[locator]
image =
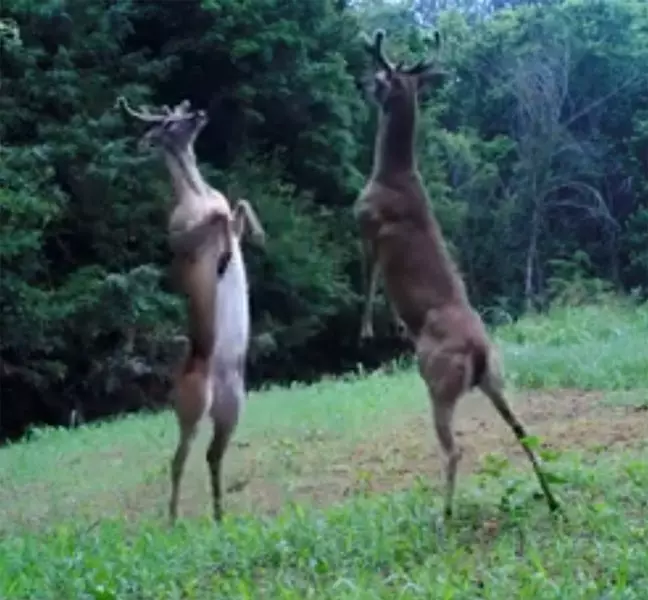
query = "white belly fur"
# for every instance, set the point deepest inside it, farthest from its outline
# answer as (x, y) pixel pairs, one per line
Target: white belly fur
(232, 330)
(232, 311)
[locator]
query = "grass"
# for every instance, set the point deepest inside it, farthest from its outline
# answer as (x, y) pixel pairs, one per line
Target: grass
(336, 489)
(592, 347)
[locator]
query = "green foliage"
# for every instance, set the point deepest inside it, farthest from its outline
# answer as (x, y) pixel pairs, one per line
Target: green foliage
(70, 529)
(591, 347)
(10, 34)
(533, 153)
(301, 270)
(635, 241)
(343, 554)
(572, 284)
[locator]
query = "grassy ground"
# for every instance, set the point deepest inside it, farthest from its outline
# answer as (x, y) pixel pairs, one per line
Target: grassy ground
(334, 489)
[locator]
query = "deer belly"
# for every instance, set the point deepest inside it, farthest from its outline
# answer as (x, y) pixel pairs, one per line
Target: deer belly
(232, 311)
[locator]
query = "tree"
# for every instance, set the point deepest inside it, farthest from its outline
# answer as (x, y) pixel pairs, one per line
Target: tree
(536, 144)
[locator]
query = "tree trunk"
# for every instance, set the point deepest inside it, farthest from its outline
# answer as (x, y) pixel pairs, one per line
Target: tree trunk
(532, 252)
(615, 271)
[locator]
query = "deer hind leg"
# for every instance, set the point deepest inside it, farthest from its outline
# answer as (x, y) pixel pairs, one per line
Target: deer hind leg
(492, 384)
(445, 376)
(230, 396)
(187, 436)
(191, 401)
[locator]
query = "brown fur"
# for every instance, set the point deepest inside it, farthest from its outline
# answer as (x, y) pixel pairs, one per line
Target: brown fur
(228, 387)
(402, 240)
(200, 254)
(199, 223)
(194, 274)
(200, 231)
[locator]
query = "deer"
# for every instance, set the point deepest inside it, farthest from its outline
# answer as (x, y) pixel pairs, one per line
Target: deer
(401, 240)
(204, 235)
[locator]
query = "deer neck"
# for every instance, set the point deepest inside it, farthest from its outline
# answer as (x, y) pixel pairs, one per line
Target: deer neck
(185, 176)
(394, 149)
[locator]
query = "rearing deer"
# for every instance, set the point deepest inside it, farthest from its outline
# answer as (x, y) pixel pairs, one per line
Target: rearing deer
(204, 236)
(402, 239)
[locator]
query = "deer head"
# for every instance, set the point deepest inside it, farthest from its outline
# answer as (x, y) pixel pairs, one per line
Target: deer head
(173, 130)
(393, 83)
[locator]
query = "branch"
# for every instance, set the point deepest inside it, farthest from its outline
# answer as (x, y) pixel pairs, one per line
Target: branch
(587, 189)
(601, 100)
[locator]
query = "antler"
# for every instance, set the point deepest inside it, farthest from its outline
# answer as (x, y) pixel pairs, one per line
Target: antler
(424, 65)
(374, 48)
(181, 111)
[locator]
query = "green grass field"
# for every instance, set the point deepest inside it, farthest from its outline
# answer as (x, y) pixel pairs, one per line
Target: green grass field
(334, 489)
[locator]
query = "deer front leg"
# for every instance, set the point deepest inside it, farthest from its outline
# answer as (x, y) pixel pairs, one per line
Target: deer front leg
(245, 217)
(186, 243)
(370, 271)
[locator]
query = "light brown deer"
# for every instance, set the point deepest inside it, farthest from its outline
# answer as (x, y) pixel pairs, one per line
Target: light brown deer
(204, 236)
(402, 240)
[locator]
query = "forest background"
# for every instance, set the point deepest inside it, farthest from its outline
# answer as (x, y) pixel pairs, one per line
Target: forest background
(534, 155)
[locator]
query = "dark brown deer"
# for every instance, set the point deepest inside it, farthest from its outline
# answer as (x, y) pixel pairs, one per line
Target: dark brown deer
(204, 235)
(402, 240)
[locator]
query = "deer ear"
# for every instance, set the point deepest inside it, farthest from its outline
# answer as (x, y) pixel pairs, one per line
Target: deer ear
(381, 86)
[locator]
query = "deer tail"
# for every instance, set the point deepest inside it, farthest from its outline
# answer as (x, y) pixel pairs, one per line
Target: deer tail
(481, 359)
